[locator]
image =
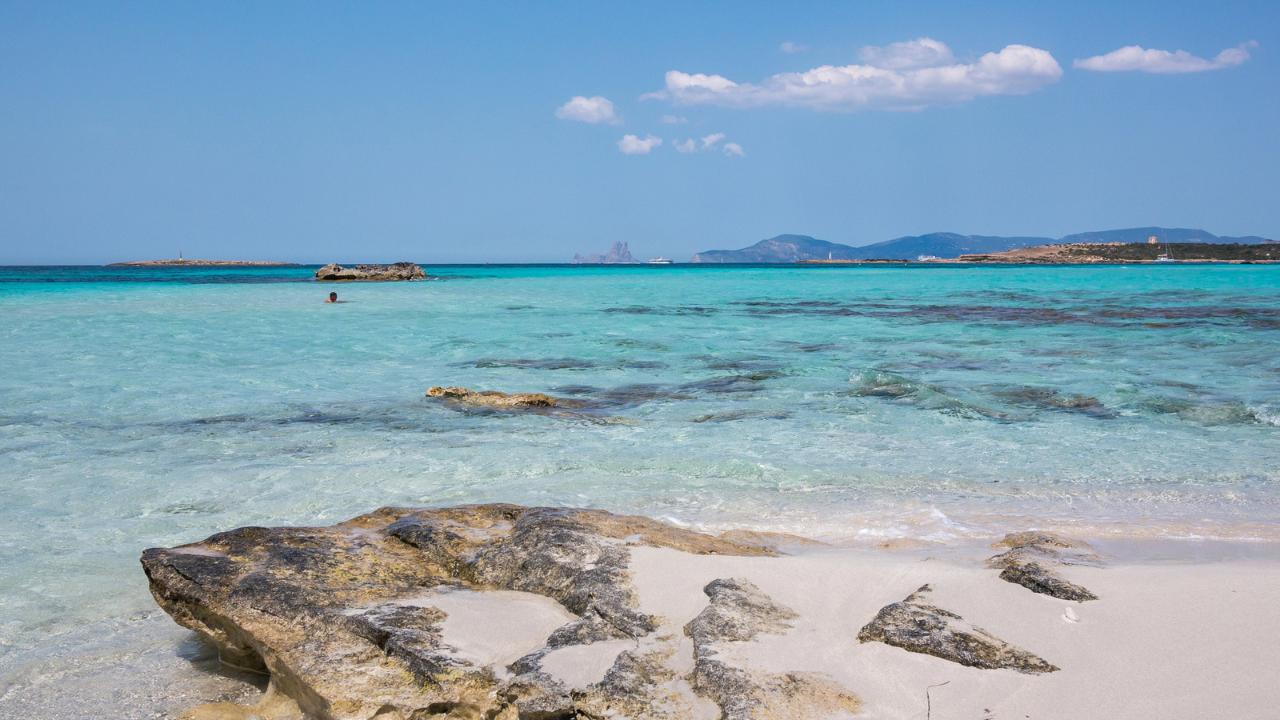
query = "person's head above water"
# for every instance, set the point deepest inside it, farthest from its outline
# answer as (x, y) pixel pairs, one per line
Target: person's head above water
(333, 297)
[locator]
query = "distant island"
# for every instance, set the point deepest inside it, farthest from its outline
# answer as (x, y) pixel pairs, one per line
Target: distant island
(618, 254)
(190, 262)
(945, 245)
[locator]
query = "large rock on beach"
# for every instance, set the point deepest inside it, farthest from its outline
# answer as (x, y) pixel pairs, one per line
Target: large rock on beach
(351, 621)
(1030, 559)
(394, 271)
(916, 625)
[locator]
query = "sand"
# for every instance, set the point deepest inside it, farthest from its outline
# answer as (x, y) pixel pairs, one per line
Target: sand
(1166, 638)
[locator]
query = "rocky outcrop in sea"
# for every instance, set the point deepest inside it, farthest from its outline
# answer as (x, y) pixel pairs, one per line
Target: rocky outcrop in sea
(394, 271)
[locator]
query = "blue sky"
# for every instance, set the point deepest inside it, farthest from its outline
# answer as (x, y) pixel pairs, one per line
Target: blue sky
(385, 131)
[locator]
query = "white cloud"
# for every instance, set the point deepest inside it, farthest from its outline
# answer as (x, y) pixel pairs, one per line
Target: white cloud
(633, 145)
(903, 76)
(1135, 58)
(674, 120)
(791, 48)
(909, 55)
(592, 110)
(709, 143)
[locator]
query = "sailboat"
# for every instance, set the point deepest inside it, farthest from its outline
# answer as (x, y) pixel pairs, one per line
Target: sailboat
(1165, 256)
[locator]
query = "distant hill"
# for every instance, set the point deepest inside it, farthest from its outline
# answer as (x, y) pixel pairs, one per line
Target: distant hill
(945, 244)
(781, 249)
(794, 248)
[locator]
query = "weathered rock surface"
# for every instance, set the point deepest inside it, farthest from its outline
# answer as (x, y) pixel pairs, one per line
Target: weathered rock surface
(494, 399)
(394, 271)
(1031, 557)
(918, 626)
(342, 617)
(739, 612)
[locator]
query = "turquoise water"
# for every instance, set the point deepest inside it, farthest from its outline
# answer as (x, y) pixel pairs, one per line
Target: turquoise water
(148, 407)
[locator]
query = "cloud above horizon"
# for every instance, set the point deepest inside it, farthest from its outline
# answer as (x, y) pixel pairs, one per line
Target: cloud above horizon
(635, 145)
(709, 143)
(908, 75)
(594, 110)
(792, 48)
(1135, 58)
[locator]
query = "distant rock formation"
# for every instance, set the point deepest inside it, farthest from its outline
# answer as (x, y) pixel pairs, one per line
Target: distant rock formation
(394, 271)
(618, 253)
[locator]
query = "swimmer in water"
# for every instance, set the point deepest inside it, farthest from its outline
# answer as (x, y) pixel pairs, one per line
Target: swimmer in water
(333, 298)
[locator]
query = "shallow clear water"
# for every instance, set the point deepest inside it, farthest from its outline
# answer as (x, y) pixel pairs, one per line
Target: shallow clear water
(143, 407)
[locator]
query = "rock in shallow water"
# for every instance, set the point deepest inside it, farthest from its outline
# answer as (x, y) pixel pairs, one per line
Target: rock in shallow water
(394, 271)
(917, 626)
(494, 399)
(342, 617)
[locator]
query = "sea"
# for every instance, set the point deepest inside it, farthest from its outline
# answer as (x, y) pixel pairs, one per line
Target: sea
(860, 405)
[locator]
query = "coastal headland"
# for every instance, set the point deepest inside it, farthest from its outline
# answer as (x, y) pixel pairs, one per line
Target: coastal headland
(505, 611)
(1093, 253)
(1097, 253)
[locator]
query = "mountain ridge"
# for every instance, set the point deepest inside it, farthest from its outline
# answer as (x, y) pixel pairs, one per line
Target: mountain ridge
(789, 248)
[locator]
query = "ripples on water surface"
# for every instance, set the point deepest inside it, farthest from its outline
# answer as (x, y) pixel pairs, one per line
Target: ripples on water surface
(154, 406)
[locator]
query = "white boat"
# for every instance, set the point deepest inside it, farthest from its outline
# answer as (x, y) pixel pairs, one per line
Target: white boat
(661, 261)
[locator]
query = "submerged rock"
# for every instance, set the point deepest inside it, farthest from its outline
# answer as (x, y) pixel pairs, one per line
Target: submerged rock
(915, 625)
(343, 618)
(494, 399)
(394, 271)
(739, 611)
(1031, 557)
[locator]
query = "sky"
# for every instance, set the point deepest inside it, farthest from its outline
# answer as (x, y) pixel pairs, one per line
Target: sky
(527, 132)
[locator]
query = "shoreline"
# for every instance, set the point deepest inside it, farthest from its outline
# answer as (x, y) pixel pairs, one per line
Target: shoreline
(528, 603)
(834, 589)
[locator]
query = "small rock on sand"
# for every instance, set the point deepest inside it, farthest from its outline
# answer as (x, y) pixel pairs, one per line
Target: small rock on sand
(915, 625)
